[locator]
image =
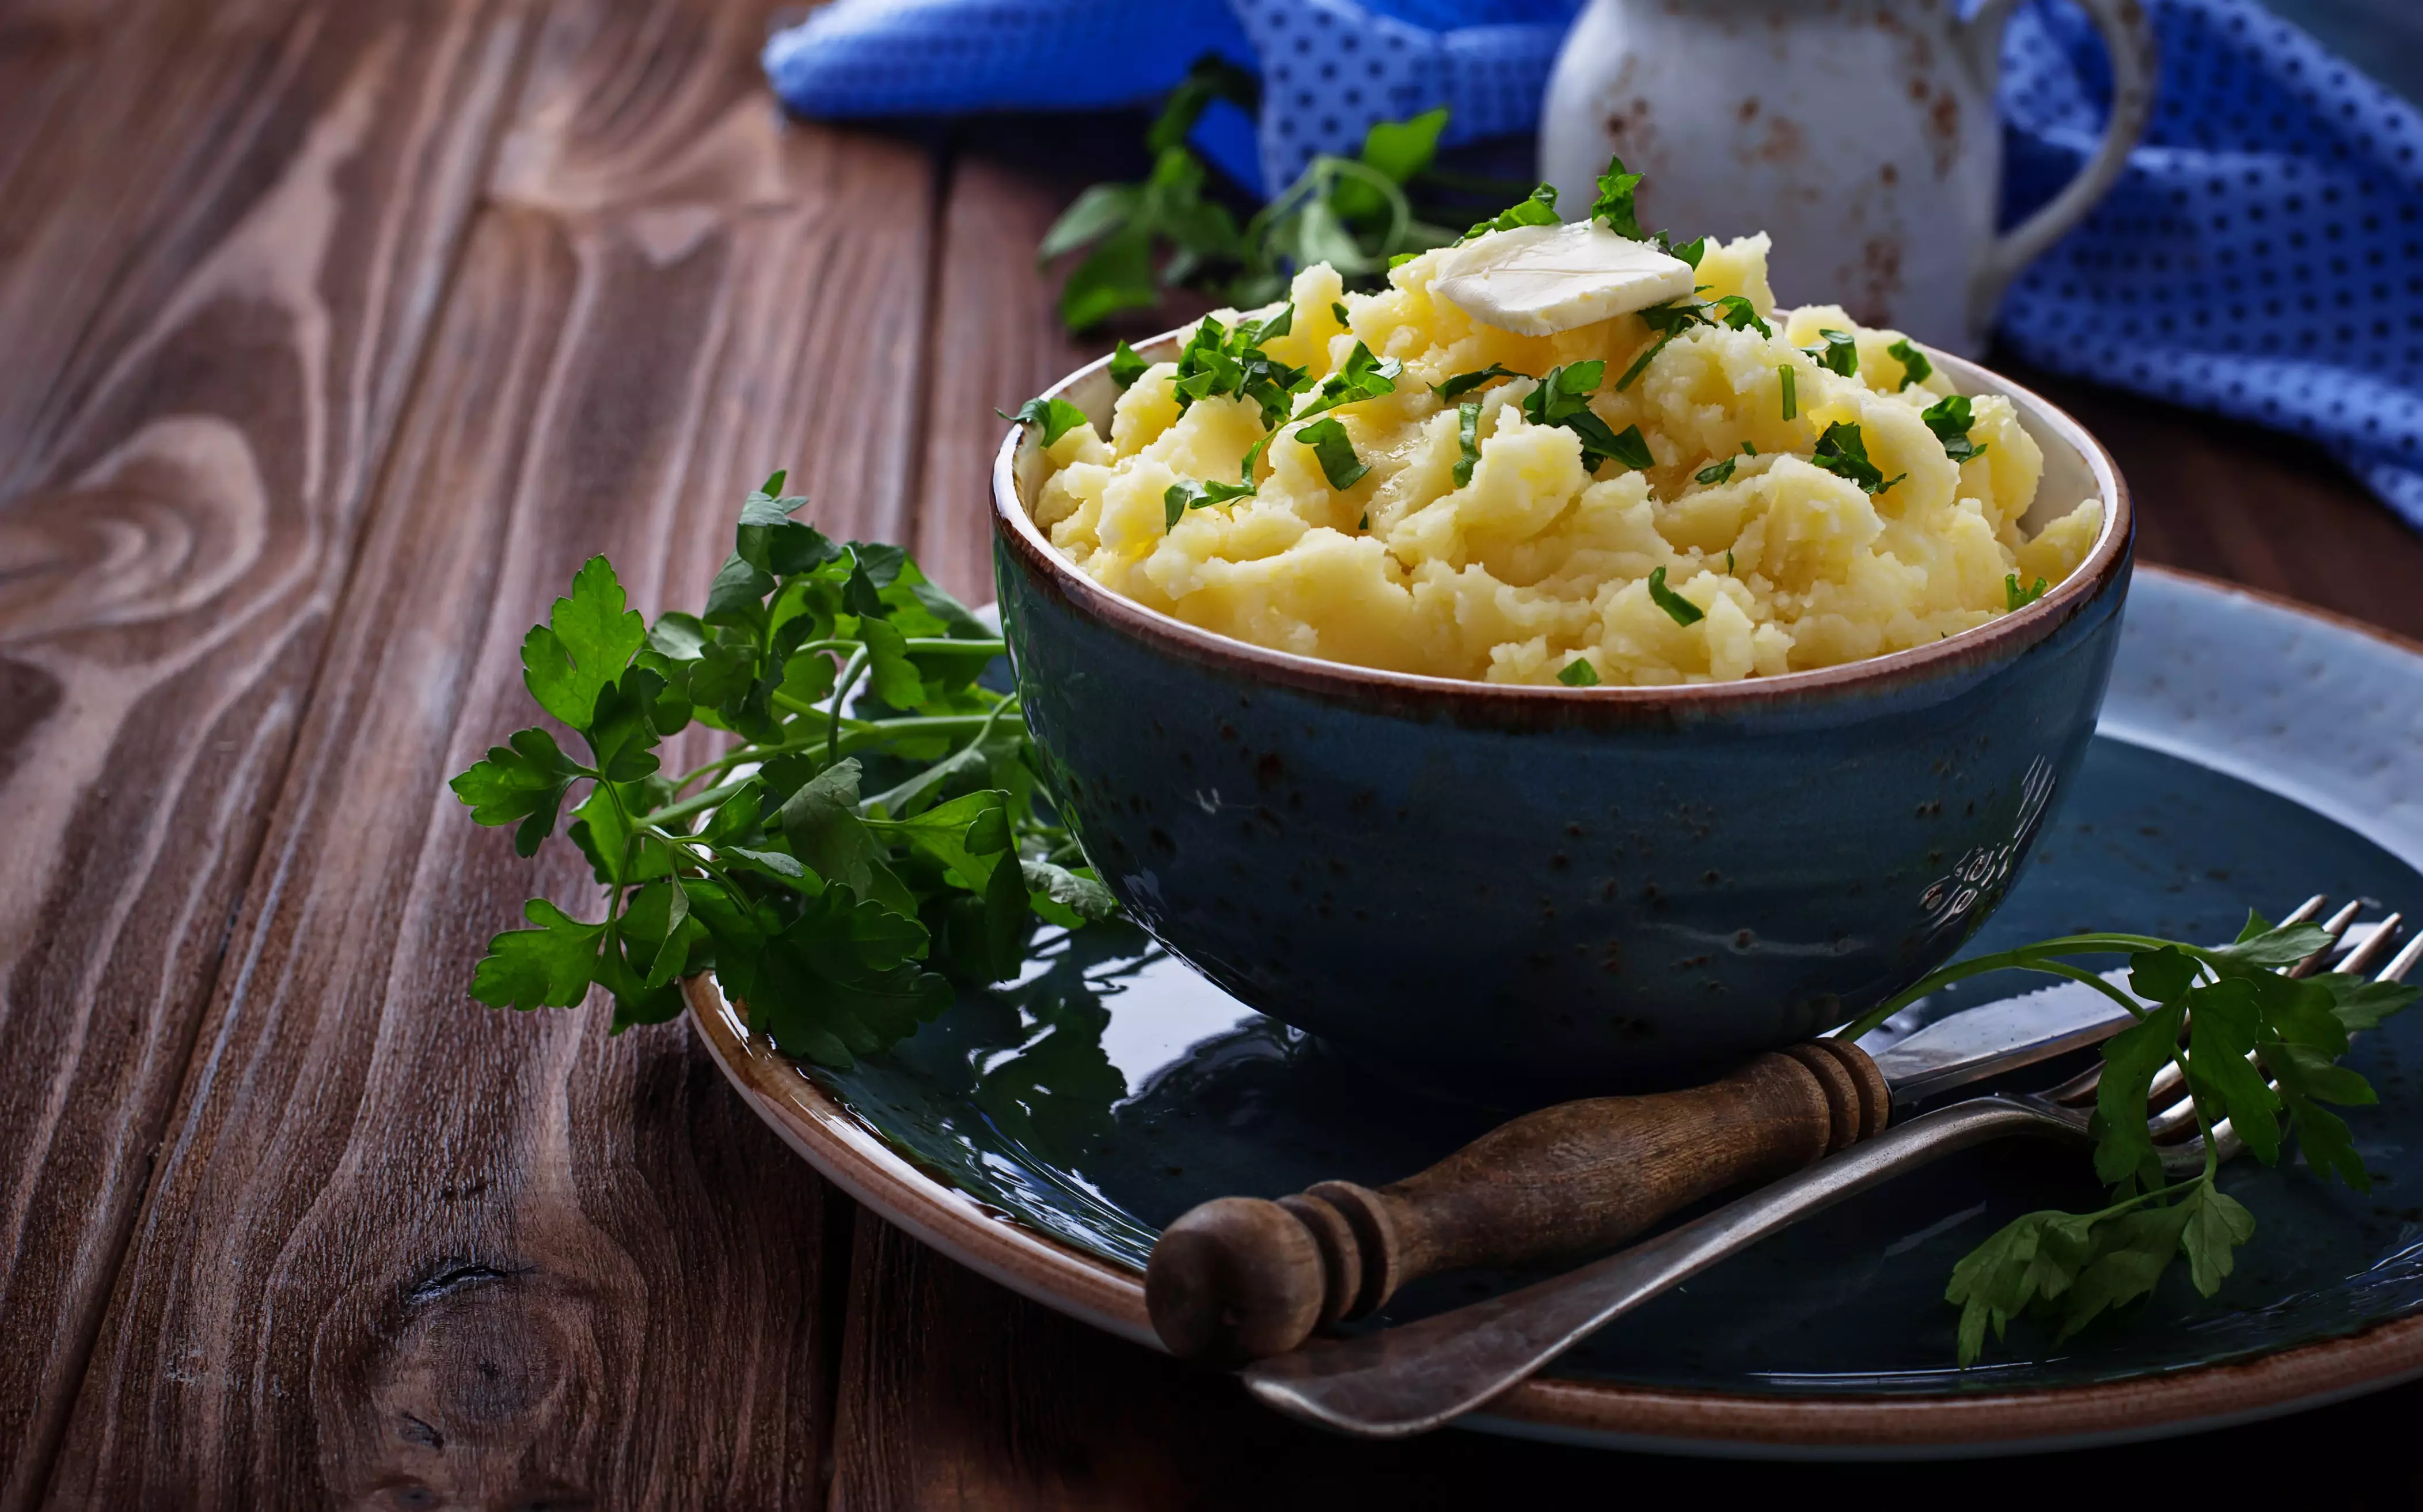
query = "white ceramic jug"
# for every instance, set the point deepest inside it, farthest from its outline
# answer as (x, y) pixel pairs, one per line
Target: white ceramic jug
(1862, 134)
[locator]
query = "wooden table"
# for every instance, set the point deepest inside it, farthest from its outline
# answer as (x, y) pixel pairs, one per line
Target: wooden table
(336, 336)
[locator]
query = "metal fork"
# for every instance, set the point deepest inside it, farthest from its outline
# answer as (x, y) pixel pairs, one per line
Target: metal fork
(1412, 1378)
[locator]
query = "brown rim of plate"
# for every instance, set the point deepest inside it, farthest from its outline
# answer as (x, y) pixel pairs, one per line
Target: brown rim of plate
(1465, 701)
(861, 1162)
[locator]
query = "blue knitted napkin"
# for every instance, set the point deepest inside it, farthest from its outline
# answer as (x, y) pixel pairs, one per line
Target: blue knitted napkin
(2263, 257)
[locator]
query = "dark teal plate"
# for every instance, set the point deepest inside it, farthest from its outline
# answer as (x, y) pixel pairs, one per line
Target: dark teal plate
(2248, 754)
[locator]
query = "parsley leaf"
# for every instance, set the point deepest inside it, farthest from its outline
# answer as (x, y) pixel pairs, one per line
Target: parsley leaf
(1678, 608)
(1334, 450)
(1949, 420)
(1056, 416)
(1915, 368)
(586, 642)
(1538, 208)
(1464, 383)
(1844, 453)
(1126, 365)
(1692, 251)
(1562, 399)
(1339, 310)
(1578, 673)
(1467, 439)
(1715, 472)
(1360, 377)
(1836, 351)
(523, 780)
(2015, 597)
(1614, 203)
(1740, 314)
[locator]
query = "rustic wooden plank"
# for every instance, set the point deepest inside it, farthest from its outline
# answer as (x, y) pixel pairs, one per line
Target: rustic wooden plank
(219, 271)
(997, 343)
(402, 1249)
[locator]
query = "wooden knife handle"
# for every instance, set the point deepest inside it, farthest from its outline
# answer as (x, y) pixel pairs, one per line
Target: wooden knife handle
(1240, 1278)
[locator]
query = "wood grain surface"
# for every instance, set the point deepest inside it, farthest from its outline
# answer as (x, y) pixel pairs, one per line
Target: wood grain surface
(339, 335)
(221, 267)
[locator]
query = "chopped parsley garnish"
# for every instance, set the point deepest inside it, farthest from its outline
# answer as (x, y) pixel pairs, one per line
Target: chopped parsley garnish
(1729, 561)
(1842, 451)
(1915, 368)
(1562, 399)
(1056, 416)
(1632, 449)
(1464, 383)
(1749, 450)
(1719, 472)
(1667, 320)
(1188, 494)
(1363, 377)
(1787, 380)
(1126, 367)
(1949, 420)
(2015, 597)
(1538, 208)
(1365, 522)
(1578, 673)
(1739, 313)
(1219, 361)
(1335, 450)
(1467, 437)
(1678, 608)
(1338, 308)
(1614, 203)
(1692, 251)
(1836, 351)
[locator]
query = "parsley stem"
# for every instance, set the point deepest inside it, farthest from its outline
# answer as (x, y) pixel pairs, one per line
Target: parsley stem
(708, 798)
(2031, 957)
(850, 675)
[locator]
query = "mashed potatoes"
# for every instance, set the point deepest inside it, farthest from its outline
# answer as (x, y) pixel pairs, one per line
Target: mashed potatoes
(1539, 562)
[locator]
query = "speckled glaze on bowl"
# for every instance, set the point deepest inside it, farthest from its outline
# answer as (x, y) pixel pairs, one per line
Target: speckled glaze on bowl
(1606, 888)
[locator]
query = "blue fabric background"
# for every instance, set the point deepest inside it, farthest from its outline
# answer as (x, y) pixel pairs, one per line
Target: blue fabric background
(2263, 257)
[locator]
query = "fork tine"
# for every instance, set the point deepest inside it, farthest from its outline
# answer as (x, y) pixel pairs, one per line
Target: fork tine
(2167, 1086)
(2396, 970)
(2374, 946)
(2336, 925)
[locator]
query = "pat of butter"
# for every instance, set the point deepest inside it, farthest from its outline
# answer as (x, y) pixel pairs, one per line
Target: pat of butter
(1537, 280)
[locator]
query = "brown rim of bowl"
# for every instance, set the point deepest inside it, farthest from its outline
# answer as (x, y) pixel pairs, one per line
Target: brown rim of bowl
(2005, 636)
(865, 1164)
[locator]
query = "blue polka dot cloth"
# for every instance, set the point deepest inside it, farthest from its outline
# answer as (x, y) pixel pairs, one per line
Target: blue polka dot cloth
(2262, 255)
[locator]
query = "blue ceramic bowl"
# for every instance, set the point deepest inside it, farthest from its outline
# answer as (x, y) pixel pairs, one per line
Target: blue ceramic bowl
(1612, 887)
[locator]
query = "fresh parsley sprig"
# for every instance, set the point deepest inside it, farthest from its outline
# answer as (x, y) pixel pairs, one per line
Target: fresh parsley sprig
(2217, 1014)
(874, 833)
(2015, 597)
(1140, 239)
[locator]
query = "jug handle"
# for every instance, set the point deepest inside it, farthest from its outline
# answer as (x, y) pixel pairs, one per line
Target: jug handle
(2130, 41)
